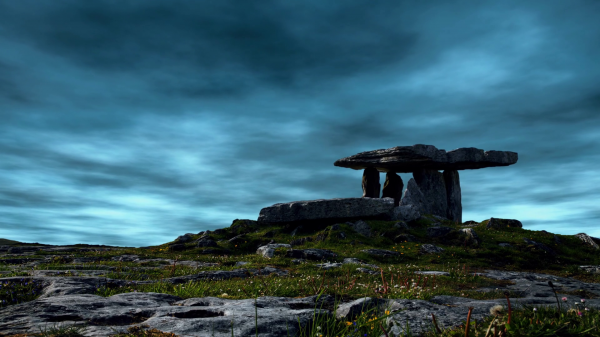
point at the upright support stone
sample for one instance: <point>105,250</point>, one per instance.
<point>370,183</point>
<point>431,183</point>
<point>453,195</point>
<point>414,196</point>
<point>393,187</point>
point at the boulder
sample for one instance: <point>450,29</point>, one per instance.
<point>496,223</point>
<point>587,240</point>
<point>453,195</point>
<point>430,249</point>
<point>405,159</point>
<point>206,241</point>
<point>370,183</point>
<point>361,228</point>
<point>328,210</point>
<point>393,187</point>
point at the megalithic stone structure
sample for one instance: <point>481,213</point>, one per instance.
<point>430,191</point>
<point>393,187</point>
<point>370,183</point>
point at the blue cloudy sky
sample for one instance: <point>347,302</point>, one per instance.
<point>129,123</point>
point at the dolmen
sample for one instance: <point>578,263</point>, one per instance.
<point>428,192</point>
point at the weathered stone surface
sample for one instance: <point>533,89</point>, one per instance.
<point>393,187</point>
<point>370,183</point>
<point>413,196</point>
<point>328,209</point>
<point>435,232</point>
<point>202,316</point>
<point>405,159</point>
<point>496,223</point>
<point>541,246</point>
<point>361,228</point>
<point>453,195</point>
<point>406,213</point>
<point>431,184</point>
<point>587,240</point>
<point>472,237</point>
<point>430,249</point>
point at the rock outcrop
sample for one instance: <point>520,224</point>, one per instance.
<point>328,210</point>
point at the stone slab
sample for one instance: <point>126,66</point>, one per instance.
<point>405,159</point>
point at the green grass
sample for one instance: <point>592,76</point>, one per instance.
<point>396,279</point>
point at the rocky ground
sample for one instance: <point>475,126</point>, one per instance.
<point>71,300</point>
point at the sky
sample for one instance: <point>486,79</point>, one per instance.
<point>130,123</point>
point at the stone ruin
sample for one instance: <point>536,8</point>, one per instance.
<point>430,191</point>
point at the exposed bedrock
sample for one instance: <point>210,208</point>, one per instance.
<point>370,183</point>
<point>393,187</point>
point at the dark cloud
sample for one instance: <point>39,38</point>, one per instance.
<point>124,122</point>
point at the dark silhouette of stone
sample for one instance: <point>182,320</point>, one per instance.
<point>370,183</point>
<point>393,187</point>
<point>453,196</point>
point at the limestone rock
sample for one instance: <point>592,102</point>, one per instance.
<point>472,237</point>
<point>496,223</point>
<point>206,241</point>
<point>311,254</point>
<point>430,249</point>
<point>370,183</point>
<point>380,252</point>
<point>415,197</point>
<point>436,232</point>
<point>393,187</point>
<point>406,213</point>
<point>269,250</point>
<point>184,238</point>
<point>587,240</point>
<point>405,238</point>
<point>453,195</point>
<point>328,210</point>
<point>541,246</point>
<point>431,184</point>
<point>361,228</point>
<point>405,159</point>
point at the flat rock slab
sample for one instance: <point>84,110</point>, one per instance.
<point>405,159</point>
<point>67,301</point>
<point>328,210</point>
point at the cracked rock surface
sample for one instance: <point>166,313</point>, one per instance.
<point>70,301</point>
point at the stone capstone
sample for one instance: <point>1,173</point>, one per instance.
<point>405,159</point>
<point>393,187</point>
<point>370,183</point>
<point>431,184</point>
<point>328,210</point>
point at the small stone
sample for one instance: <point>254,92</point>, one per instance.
<point>496,223</point>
